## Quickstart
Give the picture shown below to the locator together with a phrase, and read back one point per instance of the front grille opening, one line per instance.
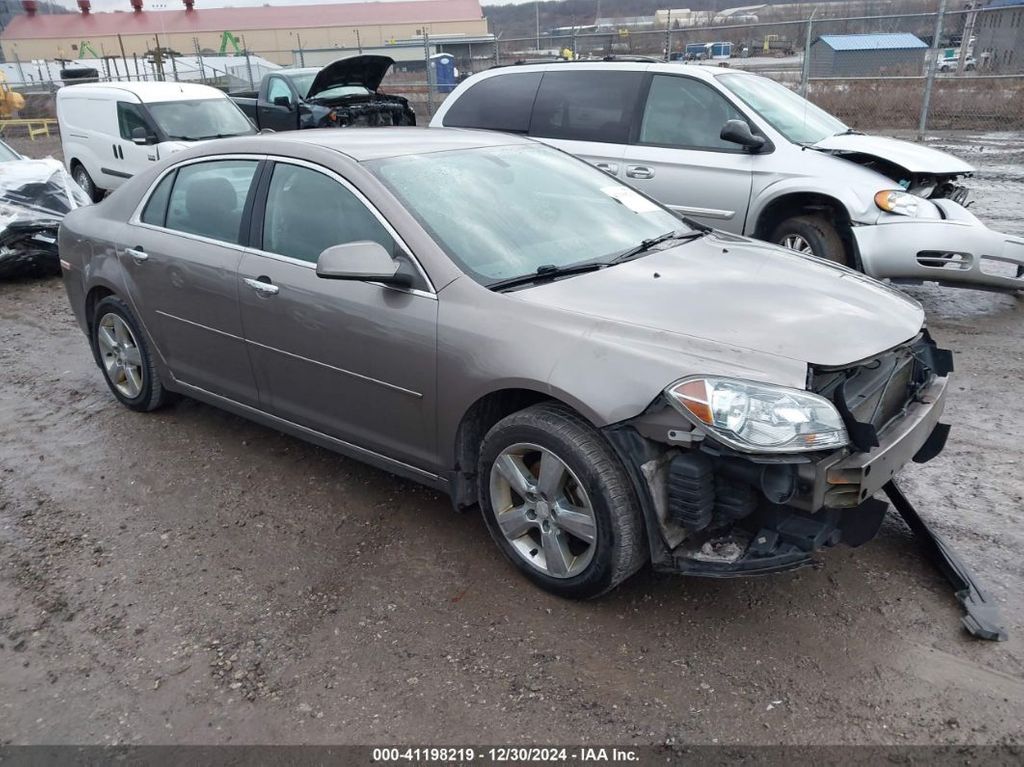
(936, 259)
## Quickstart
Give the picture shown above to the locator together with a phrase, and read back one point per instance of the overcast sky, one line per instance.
(125, 5)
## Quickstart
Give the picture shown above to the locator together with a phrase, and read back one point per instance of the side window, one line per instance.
(595, 105)
(308, 212)
(155, 212)
(278, 87)
(208, 198)
(683, 112)
(501, 102)
(129, 117)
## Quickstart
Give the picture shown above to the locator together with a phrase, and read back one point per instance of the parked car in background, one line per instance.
(111, 131)
(608, 383)
(342, 94)
(747, 155)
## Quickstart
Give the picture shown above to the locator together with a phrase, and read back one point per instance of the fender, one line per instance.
(861, 210)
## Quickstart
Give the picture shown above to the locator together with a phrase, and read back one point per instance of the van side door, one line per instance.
(588, 113)
(678, 158)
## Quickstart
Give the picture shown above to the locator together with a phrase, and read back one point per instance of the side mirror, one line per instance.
(738, 132)
(282, 101)
(141, 137)
(363, 261)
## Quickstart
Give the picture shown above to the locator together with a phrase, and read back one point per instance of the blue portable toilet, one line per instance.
(442, 72)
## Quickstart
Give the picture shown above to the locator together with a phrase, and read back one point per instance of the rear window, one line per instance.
(595, 105)
(500, 103)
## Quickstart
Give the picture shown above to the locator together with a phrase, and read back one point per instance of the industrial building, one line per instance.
(999, 41)
(277, 33)
(899, 53)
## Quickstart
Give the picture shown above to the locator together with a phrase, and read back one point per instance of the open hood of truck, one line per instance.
(912, 157)
(366, 70)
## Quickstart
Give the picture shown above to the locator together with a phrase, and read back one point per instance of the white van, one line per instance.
(111, 131)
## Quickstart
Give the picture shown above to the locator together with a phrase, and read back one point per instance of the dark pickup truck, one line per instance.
(344, 93)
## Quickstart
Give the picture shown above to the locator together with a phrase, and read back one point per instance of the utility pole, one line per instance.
(965, 39)
(123, 56)
(933, 65)
(536, 10)
(668, 36)
(426, 64)
(806, 75)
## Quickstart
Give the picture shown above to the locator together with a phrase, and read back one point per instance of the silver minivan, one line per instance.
(745, 154)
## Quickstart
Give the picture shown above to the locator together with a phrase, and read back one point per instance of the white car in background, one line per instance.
(111, 131)
(745, 154)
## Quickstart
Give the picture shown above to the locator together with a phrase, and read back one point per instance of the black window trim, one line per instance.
(634, 138)
(259, 207)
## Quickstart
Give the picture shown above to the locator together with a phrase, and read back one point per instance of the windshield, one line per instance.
(302, 82)
(504, 212)
(6, 153)
(200, 119)
(790, 114)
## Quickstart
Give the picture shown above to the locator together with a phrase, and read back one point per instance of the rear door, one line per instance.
(180, 254)
(588, 113)
(353, 360)
(678, 158)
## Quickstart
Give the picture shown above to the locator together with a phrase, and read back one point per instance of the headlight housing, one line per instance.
(759, 418)
(897, 201)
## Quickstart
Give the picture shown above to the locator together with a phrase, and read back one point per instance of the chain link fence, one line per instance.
(961, 68)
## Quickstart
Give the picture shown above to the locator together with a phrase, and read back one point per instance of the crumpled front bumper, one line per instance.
(957, 249)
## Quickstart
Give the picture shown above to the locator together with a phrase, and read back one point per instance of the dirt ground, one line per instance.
(189, 577)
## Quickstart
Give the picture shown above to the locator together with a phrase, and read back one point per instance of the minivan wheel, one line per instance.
(84, 180)
(125, 358)
(558, 502)
(813, 235)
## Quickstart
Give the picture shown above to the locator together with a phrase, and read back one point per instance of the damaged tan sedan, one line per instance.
(610, 383)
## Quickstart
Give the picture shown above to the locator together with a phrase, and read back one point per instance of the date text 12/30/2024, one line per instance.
(465, 754)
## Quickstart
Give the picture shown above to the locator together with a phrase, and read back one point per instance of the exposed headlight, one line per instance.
(898, 202)
(756, 417)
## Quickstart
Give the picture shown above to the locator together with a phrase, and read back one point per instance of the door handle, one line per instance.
(262, 285)
(138, 254)
(639, 171)
(607, 167)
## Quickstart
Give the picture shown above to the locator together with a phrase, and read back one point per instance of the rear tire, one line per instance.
(84, 180)
(574, 526)
(124, 357)
(813, 235)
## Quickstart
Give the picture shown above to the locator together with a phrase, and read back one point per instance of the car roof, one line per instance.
(363, 144)
(702, 70)
(145, 91)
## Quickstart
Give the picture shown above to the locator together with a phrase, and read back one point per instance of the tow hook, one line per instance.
(982, 617)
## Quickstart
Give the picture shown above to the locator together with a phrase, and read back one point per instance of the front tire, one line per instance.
(84, 180)
(125, 358)
(558, 502)
(814, 236)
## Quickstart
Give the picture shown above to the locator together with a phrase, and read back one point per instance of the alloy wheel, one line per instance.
(119, 351)
(542, 510)
(797, 243)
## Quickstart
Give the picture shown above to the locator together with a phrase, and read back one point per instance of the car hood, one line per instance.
(744, 294)
(913, 157)
(366, 70)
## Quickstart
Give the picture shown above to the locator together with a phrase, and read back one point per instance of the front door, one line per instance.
(181, 258)
(278, 116)
(353, 360)
(679, 159)
(128, 157)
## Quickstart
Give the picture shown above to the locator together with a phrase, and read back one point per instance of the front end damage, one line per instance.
(377, 110)
(715, 512)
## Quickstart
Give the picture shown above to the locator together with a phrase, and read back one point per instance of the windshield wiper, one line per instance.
(546, 273)
(645, 245)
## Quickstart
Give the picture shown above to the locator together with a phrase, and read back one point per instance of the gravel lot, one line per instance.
(187, 576)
